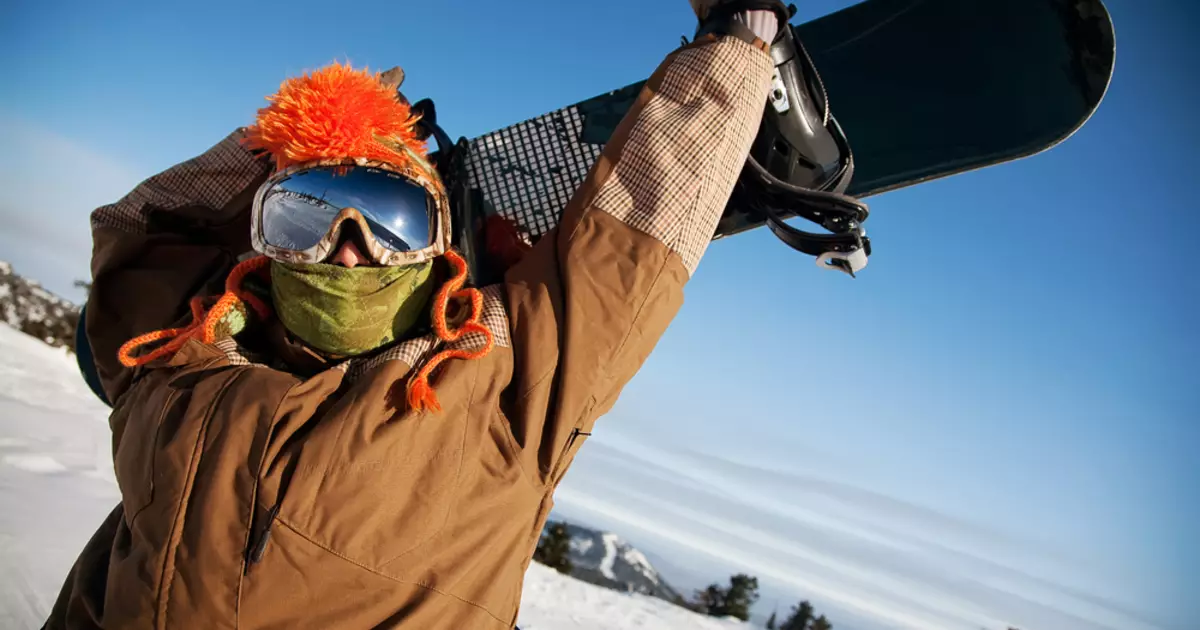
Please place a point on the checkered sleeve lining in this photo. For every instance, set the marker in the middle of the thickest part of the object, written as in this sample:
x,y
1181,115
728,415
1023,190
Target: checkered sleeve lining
x,y
211,179
687,147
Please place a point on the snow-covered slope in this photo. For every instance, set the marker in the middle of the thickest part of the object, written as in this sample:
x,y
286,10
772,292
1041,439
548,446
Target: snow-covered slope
x,y
56,481
56,485
556,602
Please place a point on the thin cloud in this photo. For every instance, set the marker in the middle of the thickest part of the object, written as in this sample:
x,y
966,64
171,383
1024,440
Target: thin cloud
x,y
720,548
962,547
49,184
845,547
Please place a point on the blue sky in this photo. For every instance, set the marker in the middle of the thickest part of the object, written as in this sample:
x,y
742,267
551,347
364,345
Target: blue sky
x,y
995,424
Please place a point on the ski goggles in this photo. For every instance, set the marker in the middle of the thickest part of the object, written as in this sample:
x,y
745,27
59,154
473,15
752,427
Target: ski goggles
x,y
299,213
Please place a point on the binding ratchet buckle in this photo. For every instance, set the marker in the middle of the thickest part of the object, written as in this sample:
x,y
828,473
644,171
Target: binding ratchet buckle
x,y
800,164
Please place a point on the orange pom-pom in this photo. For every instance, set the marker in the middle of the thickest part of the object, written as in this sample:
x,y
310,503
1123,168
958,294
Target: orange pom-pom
x,y
336,112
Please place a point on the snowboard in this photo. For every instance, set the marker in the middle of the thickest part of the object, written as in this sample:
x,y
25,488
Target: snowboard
x,y
923,89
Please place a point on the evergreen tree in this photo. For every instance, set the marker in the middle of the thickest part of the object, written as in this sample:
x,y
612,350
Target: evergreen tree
x,y
821,623
771,622
554,549
802,614
734,601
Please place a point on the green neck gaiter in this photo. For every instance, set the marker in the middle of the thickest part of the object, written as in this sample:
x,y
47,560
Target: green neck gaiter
x,y
347,312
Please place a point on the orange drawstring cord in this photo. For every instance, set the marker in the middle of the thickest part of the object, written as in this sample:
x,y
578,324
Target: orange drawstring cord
x,y
420,392
203,325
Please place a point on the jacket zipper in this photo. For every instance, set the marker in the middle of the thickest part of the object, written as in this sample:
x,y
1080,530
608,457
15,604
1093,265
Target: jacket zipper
x,y
562,457
256,551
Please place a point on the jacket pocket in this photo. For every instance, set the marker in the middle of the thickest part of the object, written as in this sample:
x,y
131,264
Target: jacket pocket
x,y
373,484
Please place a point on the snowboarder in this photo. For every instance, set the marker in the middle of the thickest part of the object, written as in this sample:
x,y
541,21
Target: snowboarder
x,y
339,432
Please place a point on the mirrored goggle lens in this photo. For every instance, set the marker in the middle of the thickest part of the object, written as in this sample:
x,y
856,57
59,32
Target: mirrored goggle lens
x,y
297,211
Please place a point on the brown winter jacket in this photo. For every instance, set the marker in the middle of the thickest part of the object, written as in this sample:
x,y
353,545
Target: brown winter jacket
x,y
259,497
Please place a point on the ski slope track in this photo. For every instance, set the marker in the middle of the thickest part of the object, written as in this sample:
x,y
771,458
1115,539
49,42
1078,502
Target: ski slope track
x,y
57,485
610,556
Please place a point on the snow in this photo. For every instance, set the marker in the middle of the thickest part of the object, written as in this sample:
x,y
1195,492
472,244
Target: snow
x,y
610,555
581,545
556,602
639,560
56,480
57,485
35,463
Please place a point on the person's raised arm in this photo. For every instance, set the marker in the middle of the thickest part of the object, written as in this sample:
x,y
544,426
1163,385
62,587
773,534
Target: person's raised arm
x,y
162,244
591,300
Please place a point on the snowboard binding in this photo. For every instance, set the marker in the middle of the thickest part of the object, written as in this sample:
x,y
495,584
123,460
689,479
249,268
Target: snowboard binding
x,y
801,163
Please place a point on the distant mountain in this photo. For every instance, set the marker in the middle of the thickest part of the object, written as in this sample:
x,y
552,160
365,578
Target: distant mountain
x,y
603,559
26,306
